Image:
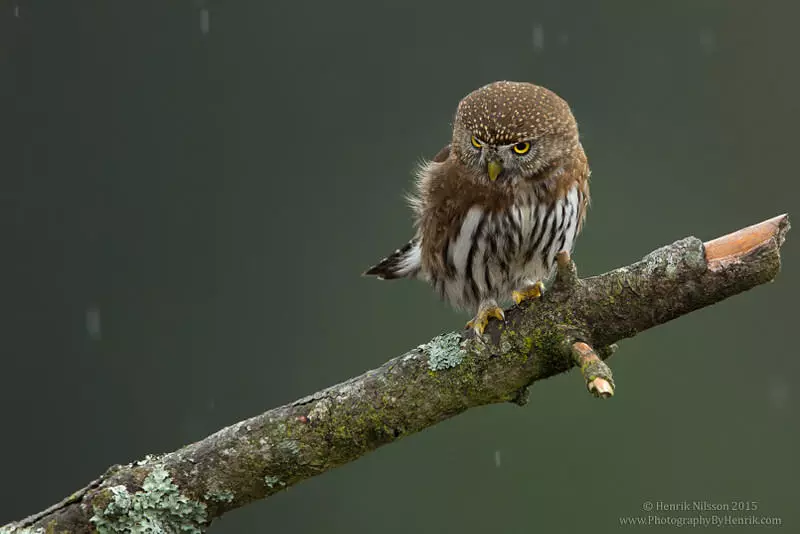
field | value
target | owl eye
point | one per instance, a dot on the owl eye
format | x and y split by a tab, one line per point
475	142
522	148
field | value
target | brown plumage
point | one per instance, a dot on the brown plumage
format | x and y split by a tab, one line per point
494	207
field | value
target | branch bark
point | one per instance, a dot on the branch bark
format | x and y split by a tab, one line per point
576	322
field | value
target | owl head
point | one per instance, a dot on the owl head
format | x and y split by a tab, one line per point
510	131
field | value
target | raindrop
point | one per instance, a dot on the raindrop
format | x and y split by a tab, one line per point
93	323
16	10
205	21
708	41
778	392
538	38
497	458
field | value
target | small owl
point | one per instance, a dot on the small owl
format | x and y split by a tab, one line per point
497	204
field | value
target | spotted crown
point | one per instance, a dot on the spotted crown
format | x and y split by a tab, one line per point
510	112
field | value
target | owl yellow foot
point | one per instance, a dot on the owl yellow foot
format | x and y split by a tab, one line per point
533	291
479	322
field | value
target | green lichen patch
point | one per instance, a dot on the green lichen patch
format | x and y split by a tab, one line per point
671	260
219	496
148	459
158	507
9	529
445	351
273	481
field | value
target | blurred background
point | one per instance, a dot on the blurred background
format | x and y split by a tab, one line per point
191	189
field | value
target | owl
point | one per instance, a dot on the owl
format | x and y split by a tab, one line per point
496	205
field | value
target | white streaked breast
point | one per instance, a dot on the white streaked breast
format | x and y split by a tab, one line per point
572	228
459	248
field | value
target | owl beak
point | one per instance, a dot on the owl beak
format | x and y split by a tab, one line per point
494	168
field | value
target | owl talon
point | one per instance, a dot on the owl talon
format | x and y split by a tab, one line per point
533	291
480	321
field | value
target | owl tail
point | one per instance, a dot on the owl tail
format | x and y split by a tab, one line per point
402	263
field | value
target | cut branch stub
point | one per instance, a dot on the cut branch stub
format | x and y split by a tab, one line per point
596	373
723	251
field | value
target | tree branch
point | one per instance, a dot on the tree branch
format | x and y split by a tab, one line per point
575	323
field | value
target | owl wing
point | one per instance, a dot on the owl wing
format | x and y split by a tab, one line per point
406	262
402	263
583	188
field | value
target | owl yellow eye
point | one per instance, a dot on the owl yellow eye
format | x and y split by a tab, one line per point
522	148
475	142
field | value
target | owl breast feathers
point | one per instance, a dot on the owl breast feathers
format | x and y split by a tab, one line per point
497	204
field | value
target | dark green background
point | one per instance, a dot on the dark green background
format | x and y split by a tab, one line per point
215	197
